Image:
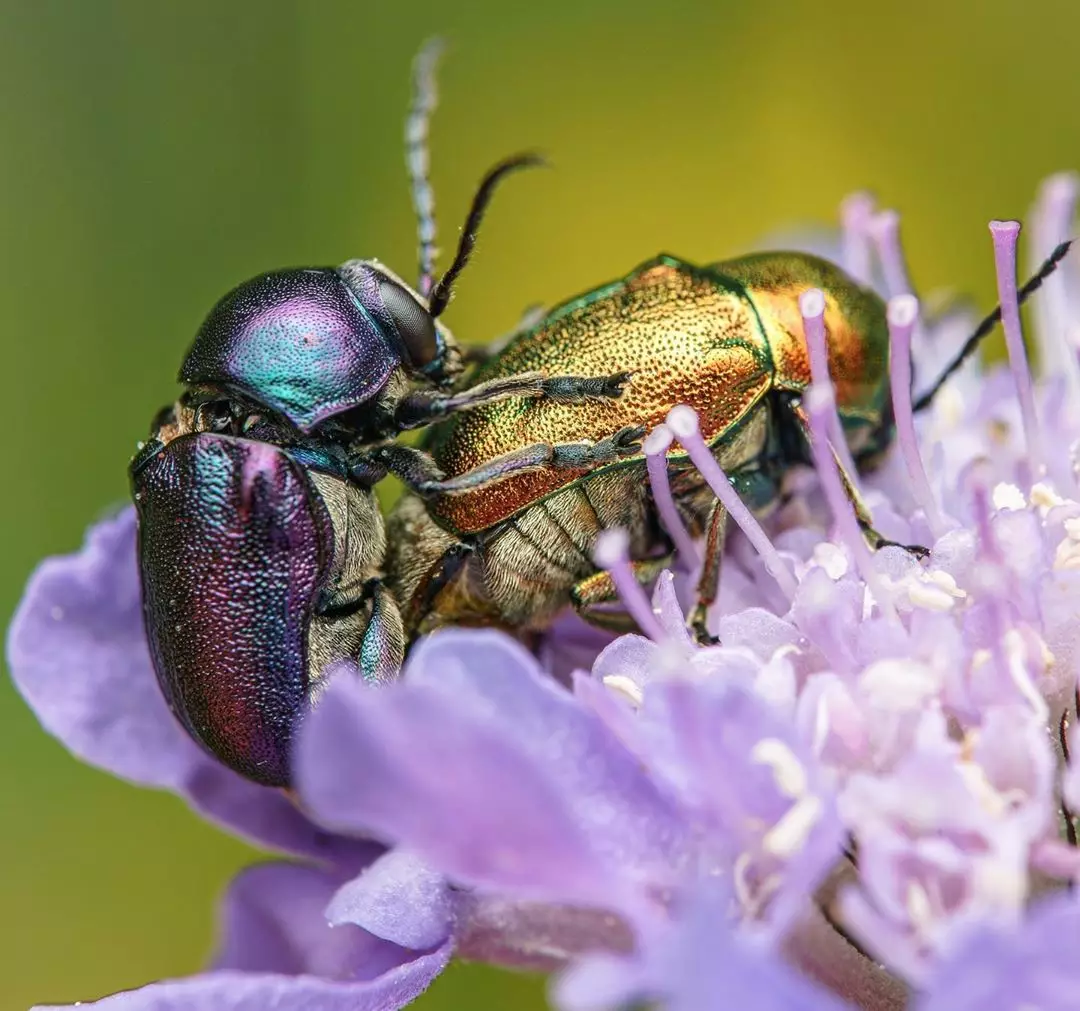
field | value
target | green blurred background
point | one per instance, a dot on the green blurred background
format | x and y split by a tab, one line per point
154	154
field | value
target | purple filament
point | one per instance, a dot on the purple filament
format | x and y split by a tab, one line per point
656	447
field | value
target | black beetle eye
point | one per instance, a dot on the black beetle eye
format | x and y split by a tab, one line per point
413	321
214	416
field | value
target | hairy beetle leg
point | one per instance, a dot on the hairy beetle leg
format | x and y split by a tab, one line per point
419	471
709	580
877	542
479	354
424	407
589	594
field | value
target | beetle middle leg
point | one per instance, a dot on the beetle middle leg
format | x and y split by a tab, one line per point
590	593
478	354
424	407
417	469
862	513
709	580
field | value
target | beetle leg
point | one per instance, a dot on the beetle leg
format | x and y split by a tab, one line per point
709	580
599	588
862	513
424	407
382	651
419	471
478	354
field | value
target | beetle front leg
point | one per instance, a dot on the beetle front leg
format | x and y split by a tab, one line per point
420	472
381	649
424	407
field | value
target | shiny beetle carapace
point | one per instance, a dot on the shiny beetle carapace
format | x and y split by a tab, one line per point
727	340
260	538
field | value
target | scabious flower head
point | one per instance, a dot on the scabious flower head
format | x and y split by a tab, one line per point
860	795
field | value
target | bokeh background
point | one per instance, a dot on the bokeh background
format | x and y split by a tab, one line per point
154	154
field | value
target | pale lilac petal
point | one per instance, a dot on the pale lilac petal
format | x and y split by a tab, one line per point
400	898
274	920
236	991
78	654
488	677
1031	966
396	763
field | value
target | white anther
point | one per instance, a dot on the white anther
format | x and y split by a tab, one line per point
1044	497
620	684
832	559
683	421
787	770
902	310
612	547
1008	496
658	441
812	303
790	833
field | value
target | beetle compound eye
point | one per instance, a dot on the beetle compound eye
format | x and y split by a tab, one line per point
413	321
215	416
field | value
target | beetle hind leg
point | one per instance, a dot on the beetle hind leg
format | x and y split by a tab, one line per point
709	580
588	595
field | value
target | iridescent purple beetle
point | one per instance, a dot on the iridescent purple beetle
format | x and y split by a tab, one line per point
260	537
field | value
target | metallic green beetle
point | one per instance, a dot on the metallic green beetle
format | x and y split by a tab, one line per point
727	340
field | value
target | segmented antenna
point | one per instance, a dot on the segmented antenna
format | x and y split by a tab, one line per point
987	325
425	98
440	294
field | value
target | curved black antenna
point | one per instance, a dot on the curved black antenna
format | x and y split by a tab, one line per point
443	289
425	98
987	325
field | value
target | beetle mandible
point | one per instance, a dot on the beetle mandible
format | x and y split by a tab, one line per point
260	538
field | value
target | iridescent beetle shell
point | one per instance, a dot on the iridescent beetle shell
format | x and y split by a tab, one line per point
310	343
242	547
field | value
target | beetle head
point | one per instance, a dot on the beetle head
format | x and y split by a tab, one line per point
310	343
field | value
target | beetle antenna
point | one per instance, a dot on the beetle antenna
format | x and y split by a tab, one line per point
1050	264
425	97
443	289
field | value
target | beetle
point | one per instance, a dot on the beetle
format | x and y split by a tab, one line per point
726	339
260	537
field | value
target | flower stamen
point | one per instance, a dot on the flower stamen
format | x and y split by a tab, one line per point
885	231
903	311
655	448
612	553
683	421
1004	235
821	408
812	310
856	212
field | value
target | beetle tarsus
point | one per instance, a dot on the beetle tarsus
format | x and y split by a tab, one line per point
571	389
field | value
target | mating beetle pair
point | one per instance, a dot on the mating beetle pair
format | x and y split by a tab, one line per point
260	538
261	544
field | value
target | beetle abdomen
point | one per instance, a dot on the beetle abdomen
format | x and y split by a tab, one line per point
233	546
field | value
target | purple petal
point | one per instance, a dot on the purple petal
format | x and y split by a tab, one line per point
400	898
237	991
486	767
699	964
1031	966
273	920
456	790
78	654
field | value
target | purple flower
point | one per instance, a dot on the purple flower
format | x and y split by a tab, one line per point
79	657
859	798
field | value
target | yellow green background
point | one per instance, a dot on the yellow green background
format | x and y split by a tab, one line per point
153	154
